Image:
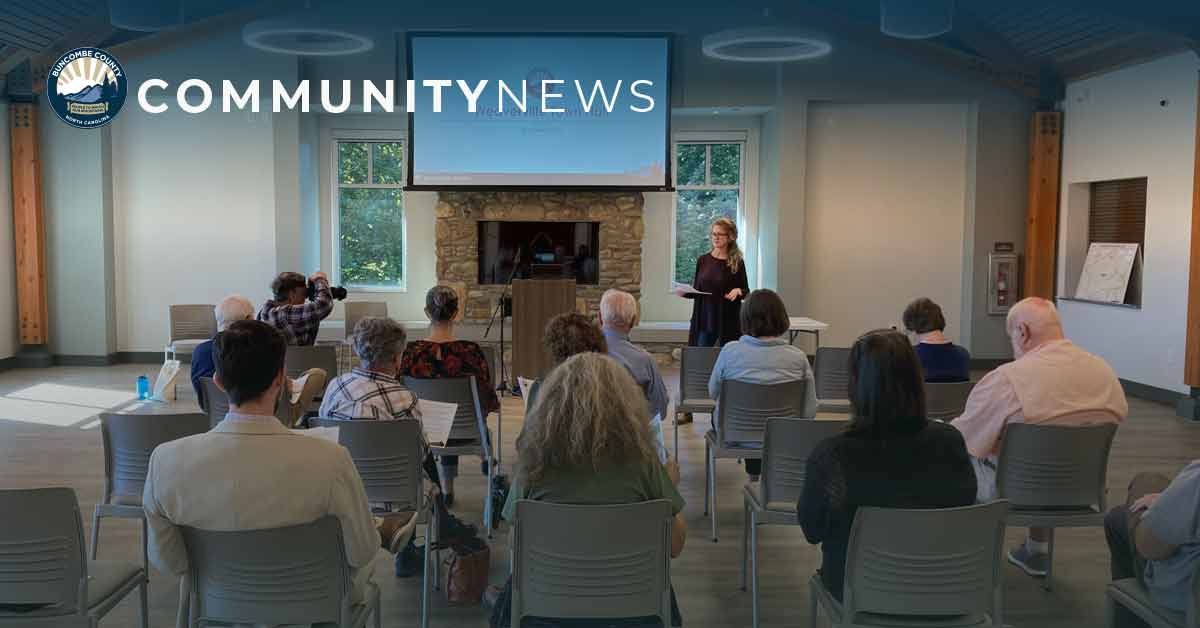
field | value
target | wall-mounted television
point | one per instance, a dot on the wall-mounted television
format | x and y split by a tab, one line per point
605	123
539	250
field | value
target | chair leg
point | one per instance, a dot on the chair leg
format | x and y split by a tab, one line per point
487	501
144	616
706	470
745	539
1047	584
378	610
146	547
425	576
1110	612
754	570
95	532
712	492
676	435
812	606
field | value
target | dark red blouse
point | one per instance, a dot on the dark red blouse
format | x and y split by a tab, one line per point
458	358
713	313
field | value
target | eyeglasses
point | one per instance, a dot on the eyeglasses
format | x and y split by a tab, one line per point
718	235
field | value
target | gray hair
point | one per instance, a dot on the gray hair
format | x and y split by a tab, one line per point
618	309
232	309
378	340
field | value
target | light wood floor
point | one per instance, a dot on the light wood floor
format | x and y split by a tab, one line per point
48	437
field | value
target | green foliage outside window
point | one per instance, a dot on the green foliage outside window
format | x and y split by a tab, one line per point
370	217
717	196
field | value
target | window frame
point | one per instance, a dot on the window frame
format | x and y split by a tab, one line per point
336	137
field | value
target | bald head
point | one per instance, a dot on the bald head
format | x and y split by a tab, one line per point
1033	322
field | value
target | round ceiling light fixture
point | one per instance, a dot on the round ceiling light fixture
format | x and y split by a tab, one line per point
916	20
765	45
305	35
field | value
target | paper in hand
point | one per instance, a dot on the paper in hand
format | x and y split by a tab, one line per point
296	387
437	417
685	288
526	385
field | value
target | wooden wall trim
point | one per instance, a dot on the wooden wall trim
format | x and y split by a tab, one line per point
29	225
1041	225
1191	366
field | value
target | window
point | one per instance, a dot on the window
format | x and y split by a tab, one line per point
709	180
369	214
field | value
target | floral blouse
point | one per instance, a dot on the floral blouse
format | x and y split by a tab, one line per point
458	358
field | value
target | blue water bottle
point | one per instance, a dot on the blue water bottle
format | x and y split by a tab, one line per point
143	387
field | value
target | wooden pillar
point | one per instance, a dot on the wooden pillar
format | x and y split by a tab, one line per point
1041	225
29	226
1191	367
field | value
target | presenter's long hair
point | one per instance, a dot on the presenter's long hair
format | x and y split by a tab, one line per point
589	413
734	253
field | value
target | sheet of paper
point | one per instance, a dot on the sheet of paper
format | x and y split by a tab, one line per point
297	386
685	288
328	433
526	385
437	418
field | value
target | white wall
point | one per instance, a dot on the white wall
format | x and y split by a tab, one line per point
8	279
1115	127
883	227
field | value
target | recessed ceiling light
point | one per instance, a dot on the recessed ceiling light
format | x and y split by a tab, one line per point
916	20
765	45
304	34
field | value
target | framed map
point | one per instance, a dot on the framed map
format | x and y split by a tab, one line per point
1106	272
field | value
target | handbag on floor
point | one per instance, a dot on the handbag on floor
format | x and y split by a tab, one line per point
467	572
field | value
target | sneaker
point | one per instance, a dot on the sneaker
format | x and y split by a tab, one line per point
451	529
395	529
1030	562
491	596
683	419
410	561
448	499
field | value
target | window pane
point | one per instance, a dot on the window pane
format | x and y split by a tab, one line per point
694	212
388	163
726	164
371	226
352	162
690	168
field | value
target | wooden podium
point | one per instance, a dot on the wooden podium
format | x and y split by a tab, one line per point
535	302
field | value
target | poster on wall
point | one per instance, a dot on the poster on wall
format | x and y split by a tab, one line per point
1106	272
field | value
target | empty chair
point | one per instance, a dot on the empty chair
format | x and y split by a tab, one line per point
599	562
832	378
946	400
787	444
190	325
356	310
1054	476
470	425
937	567
42	565
300	359
695	367
289	575
128	441
741	421
1130	594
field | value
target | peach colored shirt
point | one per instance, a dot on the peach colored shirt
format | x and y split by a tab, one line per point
1052	384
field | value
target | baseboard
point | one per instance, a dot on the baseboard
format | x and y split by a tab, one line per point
8	363
139	357
987	364
1151	393
85	360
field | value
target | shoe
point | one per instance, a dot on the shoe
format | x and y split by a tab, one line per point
491	596
1030	562
448	499
683	419
451	529
754	478
410	561
395	529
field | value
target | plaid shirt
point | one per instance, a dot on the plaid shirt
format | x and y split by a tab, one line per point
363	394
299	323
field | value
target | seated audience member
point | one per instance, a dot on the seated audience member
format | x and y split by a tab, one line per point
942	360
618	316
372	391
1155	537
890	456
567	335
443	355
252	473
588	441
763	356
234	307
291	312
1050	382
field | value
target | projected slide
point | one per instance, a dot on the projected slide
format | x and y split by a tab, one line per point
604	125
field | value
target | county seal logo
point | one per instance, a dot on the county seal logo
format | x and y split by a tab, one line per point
86	87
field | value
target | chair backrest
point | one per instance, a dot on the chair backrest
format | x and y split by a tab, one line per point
357	310
925	562
129	439
744	408
489	356
290	575
592	561
695	367
216	403
832	372
388	456
192	322
469	419
41	549
1055	465
787	445
300	359
946	400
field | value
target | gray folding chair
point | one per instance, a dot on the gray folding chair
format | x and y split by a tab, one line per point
833	379
787	444
388	456
602	562
357	310
489	354
128	441
695	367
1055	476
741	420
1132	595
42	565
189	325
300	359
945	401
470	425
290	575
937	568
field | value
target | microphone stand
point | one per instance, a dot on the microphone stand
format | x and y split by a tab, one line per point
501	312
